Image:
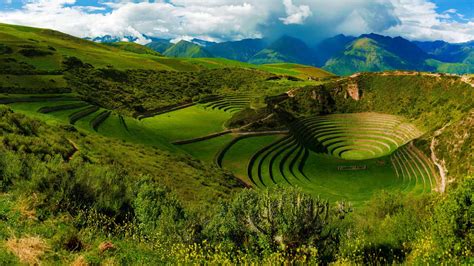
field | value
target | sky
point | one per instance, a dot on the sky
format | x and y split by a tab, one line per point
224	20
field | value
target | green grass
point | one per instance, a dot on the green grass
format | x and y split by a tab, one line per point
160	131
357	136
358	165
134	48
284	163
296	70
206	150
356	186
187	123
237	158
233	103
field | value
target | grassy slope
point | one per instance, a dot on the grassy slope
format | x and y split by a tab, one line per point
187	123
156	131
96	54
206	150
134	48
355	186
367	54
186	49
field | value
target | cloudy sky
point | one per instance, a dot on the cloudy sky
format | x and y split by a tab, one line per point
221	20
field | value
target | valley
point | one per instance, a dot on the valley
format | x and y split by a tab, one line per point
162	151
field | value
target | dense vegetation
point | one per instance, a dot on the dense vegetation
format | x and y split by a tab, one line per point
141	91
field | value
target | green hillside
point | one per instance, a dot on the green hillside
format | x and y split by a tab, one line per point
42	51
368	54
284	50
242	50
134	48
187	50
159	45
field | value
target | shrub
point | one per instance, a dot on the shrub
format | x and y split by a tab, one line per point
11	167
4	49
33	52
159	213
450	237
276	219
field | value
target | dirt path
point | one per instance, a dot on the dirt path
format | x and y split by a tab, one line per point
441	164
253	123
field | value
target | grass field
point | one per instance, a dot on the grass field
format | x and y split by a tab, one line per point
160	131
206	150
338	157
187	123
297	70
237	158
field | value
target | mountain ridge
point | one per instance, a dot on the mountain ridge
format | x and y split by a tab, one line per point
340	54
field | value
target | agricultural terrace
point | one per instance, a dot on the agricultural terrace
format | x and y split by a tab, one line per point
338	156
355	136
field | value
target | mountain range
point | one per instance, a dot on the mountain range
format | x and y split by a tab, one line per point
342	55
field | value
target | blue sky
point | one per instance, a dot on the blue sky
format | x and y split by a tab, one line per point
221	20
464	7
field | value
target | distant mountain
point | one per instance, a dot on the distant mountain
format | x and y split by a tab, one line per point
331	47
187	49
111	39
159	45
285	49
372	52
343	55
202	43
241	50
448	52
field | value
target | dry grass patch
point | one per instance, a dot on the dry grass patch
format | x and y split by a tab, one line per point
26	207
80	261
28	249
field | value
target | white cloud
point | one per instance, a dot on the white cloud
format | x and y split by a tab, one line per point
452	11
295	14
420	21
218	20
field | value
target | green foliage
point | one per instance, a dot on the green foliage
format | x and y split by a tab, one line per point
11	168
141	91
159	213
384	230
450	236
276	219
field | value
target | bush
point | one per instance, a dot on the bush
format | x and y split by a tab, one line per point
159	213
33	52
11	167
276	219
382	232
450	237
